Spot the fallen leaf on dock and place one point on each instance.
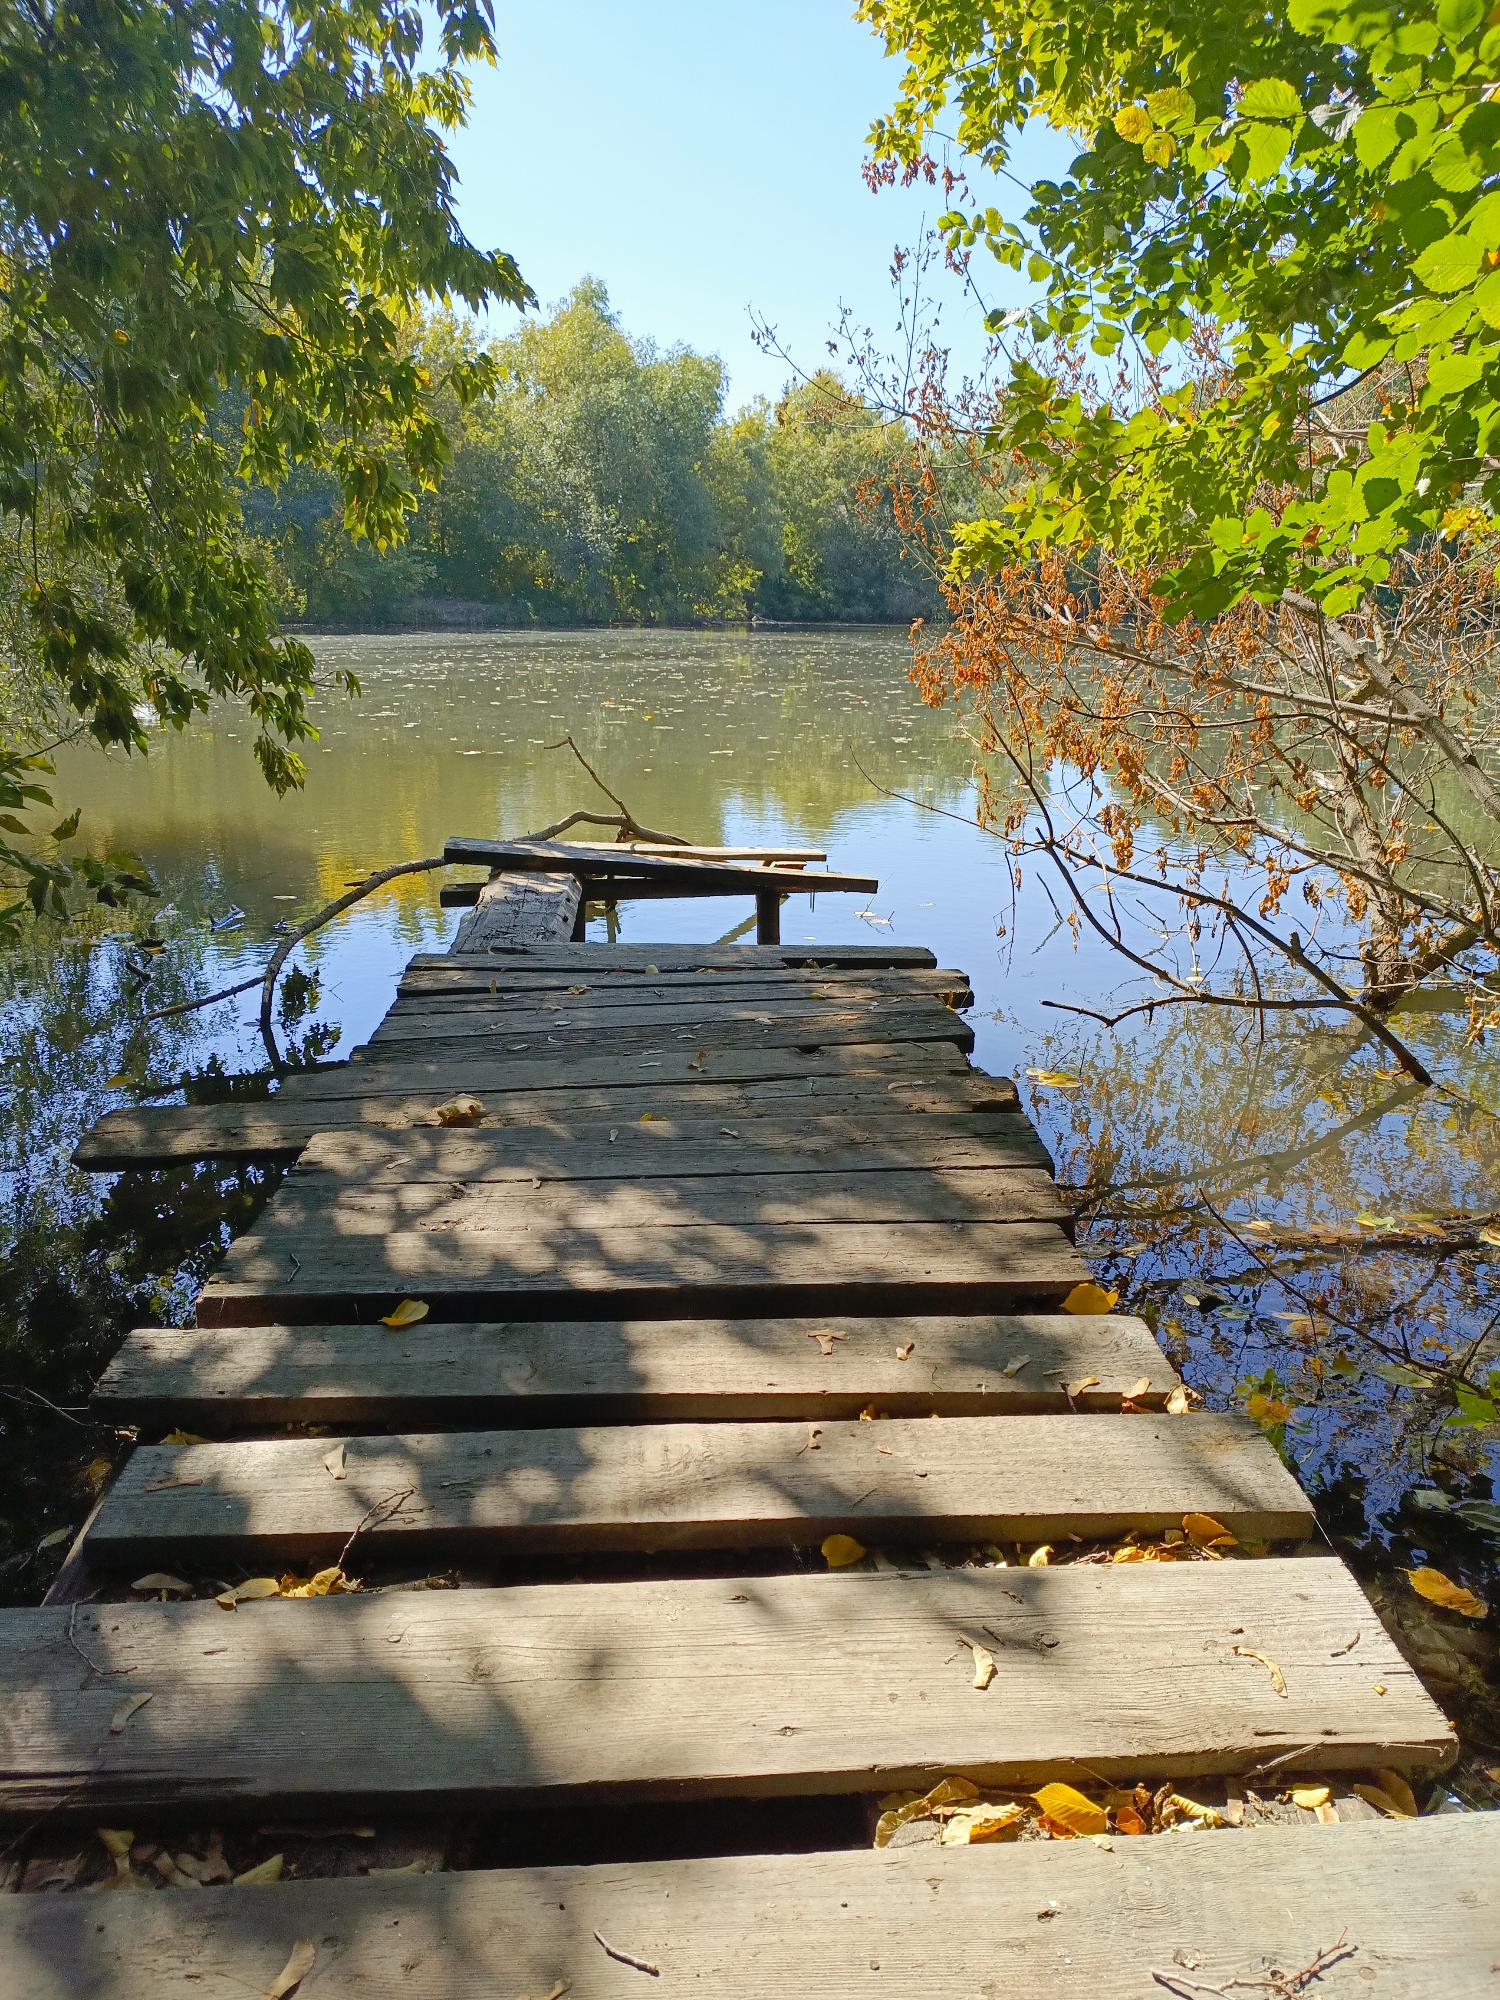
(1071, 1810)
(334, 1463)
(1090, 1298)
(126, 1709)
(1180, 1401)
(825, 1336)
(326, 1583)
(898, 1812)
(1073, 1390)
(263, 1871)
(839, 1551)
(460, 1111)
(1014, 1368)
(1278, 1678)
(1040, 1558)
(972, 1825)
(904, 1351)
(407, 1313)
(984, 1662)
(1328, 1813)
(1204, 1532)
(1190, 1808)
(246, 1592)
(1310, 1797)
(292, 1974)
(183, 1437)
(1443, 1591)
(159, 1583)
(558, 1990)
(1389, 1794)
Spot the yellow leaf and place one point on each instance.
(1310, 1797)
(126, 1709)
(904, 1351)
(296, 1969)
(841, 1550)
(1133, 123)
(1278, 1678)
(1383, 1801)
(183, 1437)
(117, 1082)
(326, 1583)
(1073, 1390)
(116, 1840)
(1328, 1813)
(1180, 1401)
(246, 1592)
(1070, 1810)
(974, 1824)
(1204, 1532)
(984, 1662)
(1441, 1590)
(460, 1111)
(96, 1472)
(159, 1583)
(1090, 1298)
(898, 1810)
(264, 1871)
(1201, 1815)
(1040, 1558)
(649, 1118)
(1055, 1079)
(407, 1313)
(1400, 1799)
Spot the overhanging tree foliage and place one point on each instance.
(1241, 591)
(208, 204)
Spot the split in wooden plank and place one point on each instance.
(605, 863)
(674, 1273)
(692, 1486)
(818, 1368)
(594, 956)
(157, 1134)
(569, 1209)
(473, 1071)
(521, 910)
(731, 1687)
(834, 1144)
(1402, 1908)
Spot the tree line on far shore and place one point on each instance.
(605, 482)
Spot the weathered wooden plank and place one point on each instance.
(706, 1015)
(1412, 1900)
(537, 1040)
(632, 1371)
(729, 1687)
(567, 1209)
(473, 1071)
(521, 910)
(678, 1486)
(155, 1134)
(594, 956)
(506, 980)
(276, 1273)
(833, 1144)
(603, 863)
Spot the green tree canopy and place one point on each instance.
(210, 205)
(1317, 181)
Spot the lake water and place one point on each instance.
(776, 738)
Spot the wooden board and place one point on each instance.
(474, 1072)
(720, 1018)
(673, 1148)
(599, 862)
(425, 1038)
(593, 956)
(681, 1486)
(1412, 1900)
(465, 984)
(630, 1371)
(276, 1273)
(729, 1687)
(566, 1210)
(521, 910)
(155, 1134)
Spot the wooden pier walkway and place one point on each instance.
(719, 1252)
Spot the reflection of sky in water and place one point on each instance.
(757, 739)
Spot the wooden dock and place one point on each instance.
(719, 1252)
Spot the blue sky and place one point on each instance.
(701, 157)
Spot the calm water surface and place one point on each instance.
(769, 738)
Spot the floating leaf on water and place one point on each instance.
(292, 1974)
(840, 1550)
(126, 1709)
(159, 1583)
(1376, 1221)
(984, 1662)
(407, 1313)
(1310, 1797)
(263, 1871)
(1055, 1079)
(1490, 1234)
(460, 1111)
(1090, 1298)
(1071, 1810)
(1278, 1678)
(51, 1541)
(1441, 1590)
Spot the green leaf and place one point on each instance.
(1458, 19)
(1450, 263)
(1269, 97)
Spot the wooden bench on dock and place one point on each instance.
(720, 1252)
